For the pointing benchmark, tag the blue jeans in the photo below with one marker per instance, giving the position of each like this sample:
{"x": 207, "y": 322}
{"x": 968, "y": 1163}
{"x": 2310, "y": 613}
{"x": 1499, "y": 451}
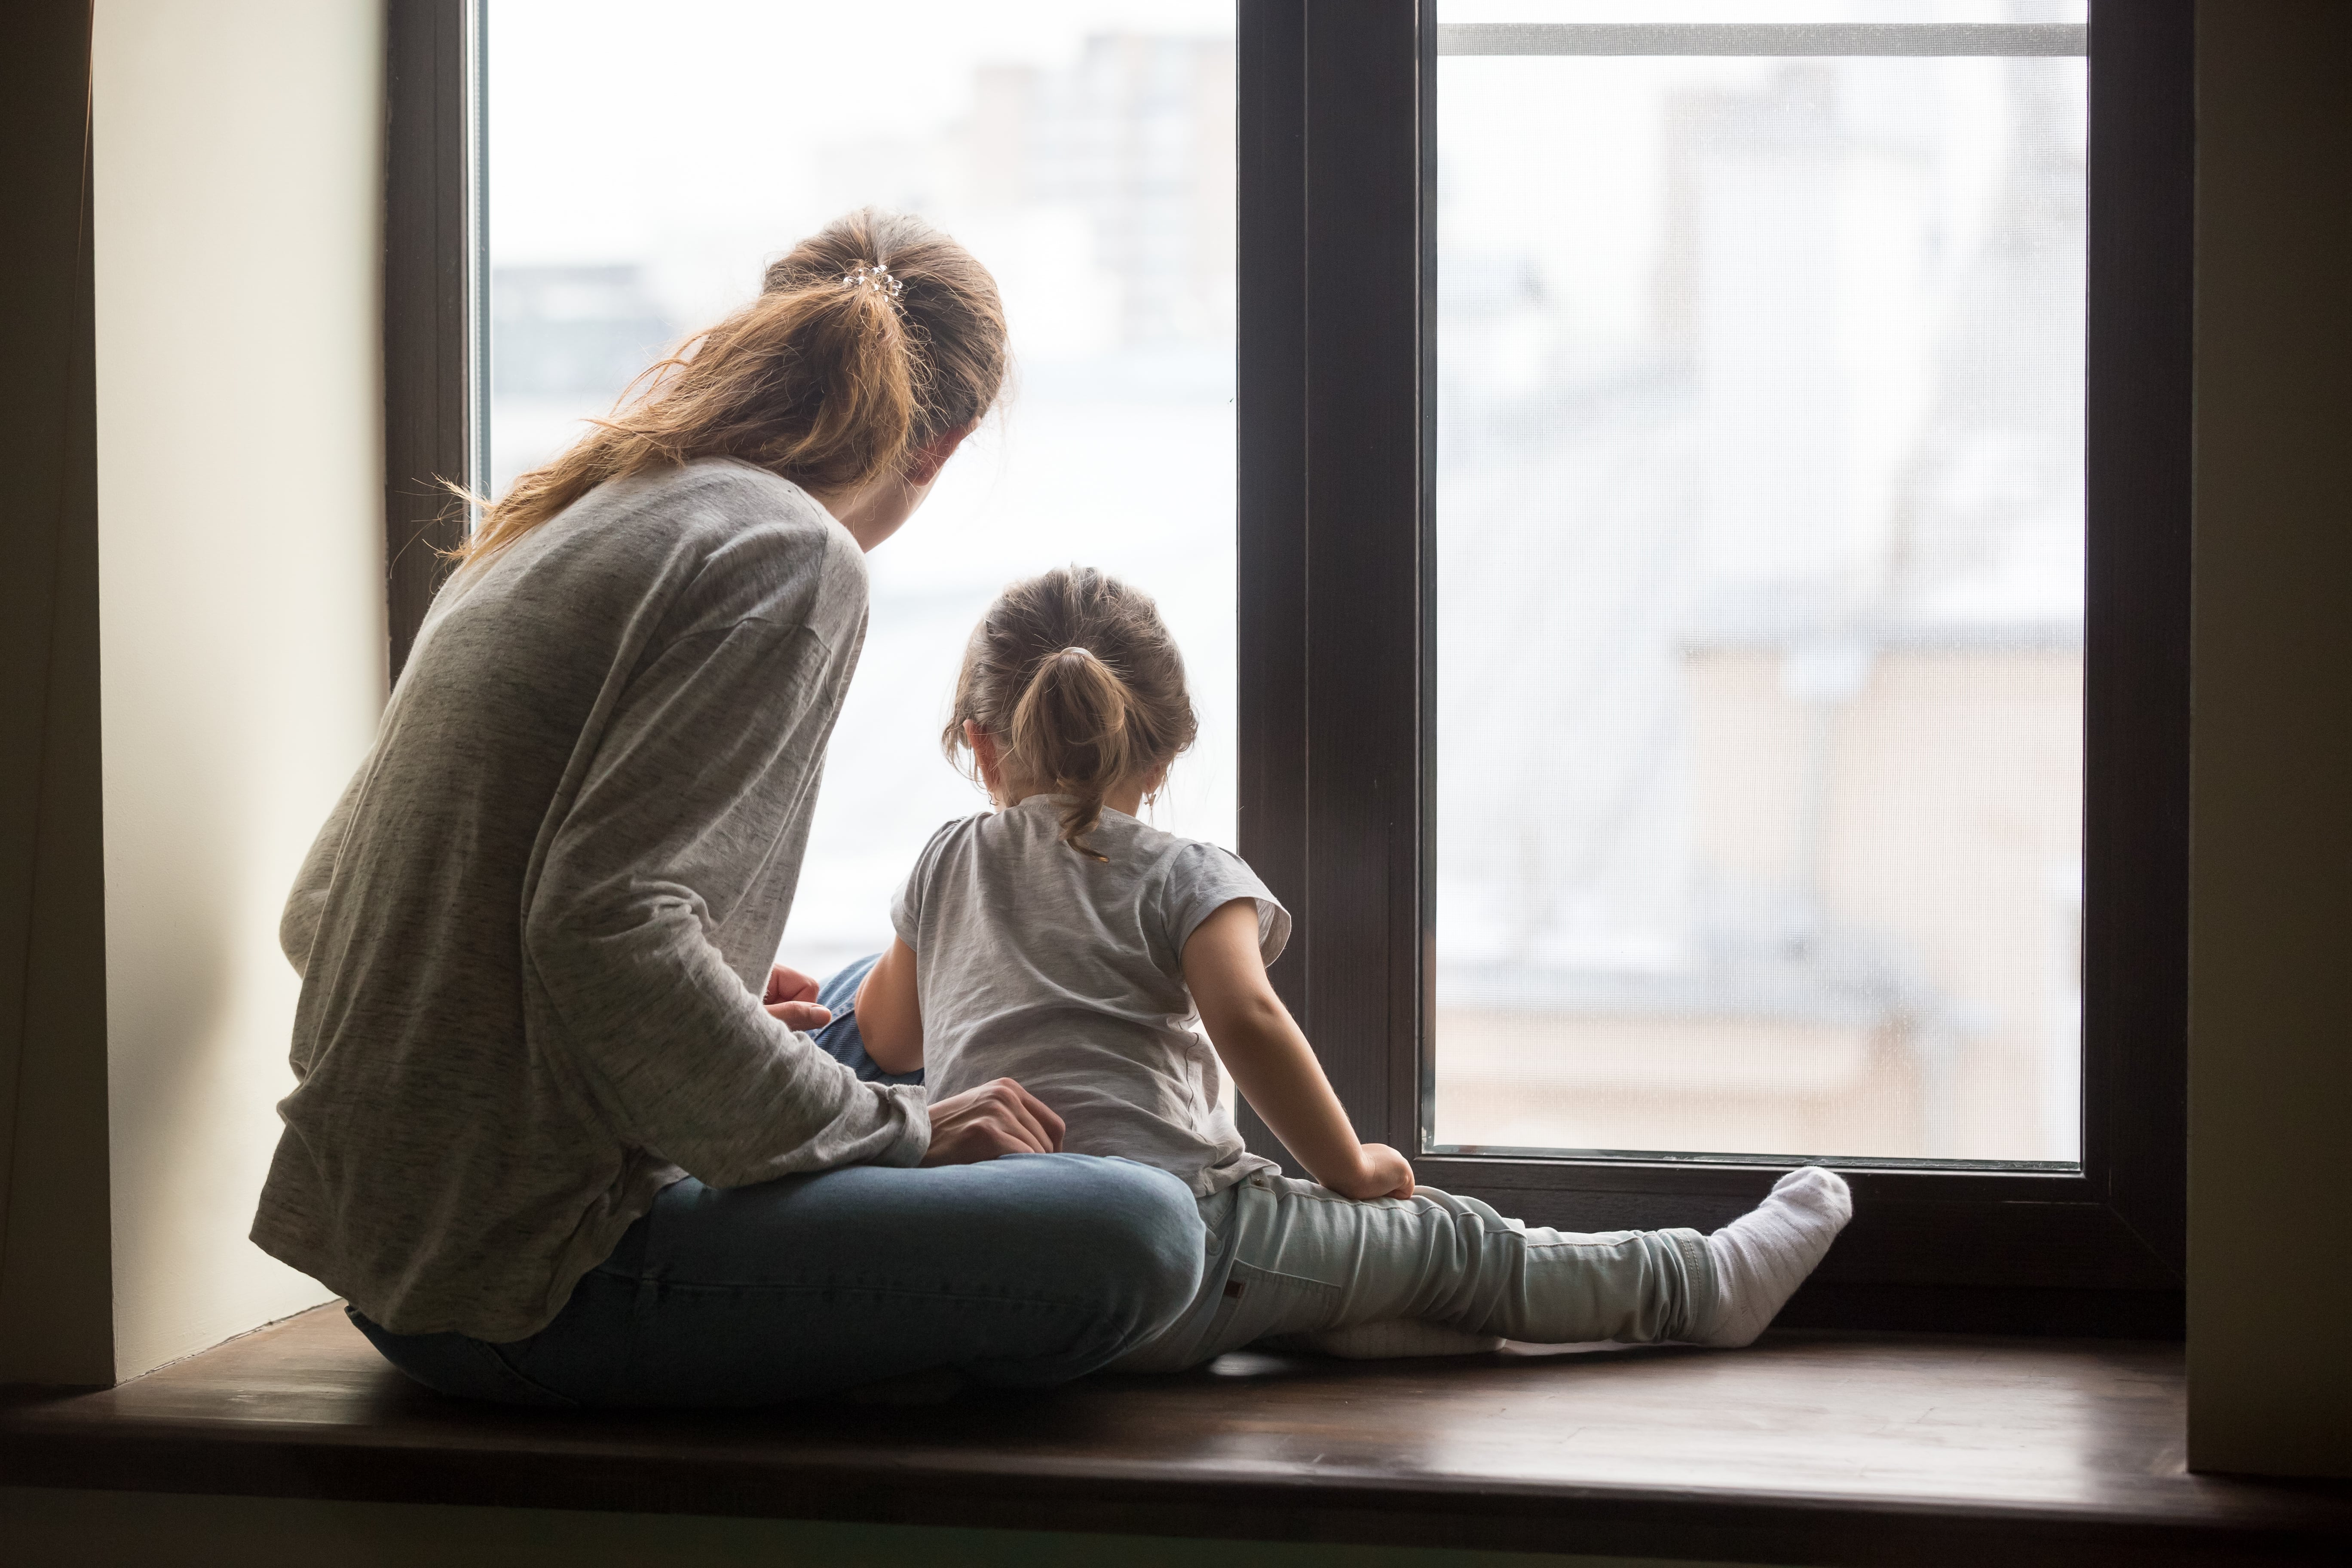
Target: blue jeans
{"x": 1021, "y": 1271}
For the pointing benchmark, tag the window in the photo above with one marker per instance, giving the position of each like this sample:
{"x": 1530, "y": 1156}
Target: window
{"x": 1082, "y": 152}
{"x": 1627, "y": 774}
{"x": 1758, "y": 579}
{"x": 1356, "y": 468}
{"x": 629, "y": 178}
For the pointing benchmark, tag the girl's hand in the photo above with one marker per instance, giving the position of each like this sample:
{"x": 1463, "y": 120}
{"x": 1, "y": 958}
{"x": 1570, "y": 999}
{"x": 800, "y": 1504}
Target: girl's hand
{"x": 1273, "y": 1065}
{"x": 791, "y": 999}
{"x": 1381, "y": 1172}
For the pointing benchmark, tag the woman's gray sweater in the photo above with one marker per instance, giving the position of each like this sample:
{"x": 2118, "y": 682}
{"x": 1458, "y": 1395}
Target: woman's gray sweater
{"x": 534, "y": 935}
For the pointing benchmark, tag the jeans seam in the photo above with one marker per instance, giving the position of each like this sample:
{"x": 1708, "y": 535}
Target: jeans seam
{"x": 1573, "y": 1245}
{"x": 700, "y": 1287}
{"x": 1262, "y": 1272}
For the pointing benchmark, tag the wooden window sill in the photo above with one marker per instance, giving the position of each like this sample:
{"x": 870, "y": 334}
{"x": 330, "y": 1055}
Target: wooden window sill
{"x": 1814, "y": 1447}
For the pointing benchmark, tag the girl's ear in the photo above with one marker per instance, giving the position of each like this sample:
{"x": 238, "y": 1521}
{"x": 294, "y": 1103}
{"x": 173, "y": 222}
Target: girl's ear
{"x": 983, "y": 754}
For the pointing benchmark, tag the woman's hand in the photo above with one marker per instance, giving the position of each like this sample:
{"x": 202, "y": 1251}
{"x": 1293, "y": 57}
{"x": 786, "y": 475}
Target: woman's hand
{"x": 791, "y": 999}
{"x": 1382, "y": 1172}
{"x": 999, "y": 1118}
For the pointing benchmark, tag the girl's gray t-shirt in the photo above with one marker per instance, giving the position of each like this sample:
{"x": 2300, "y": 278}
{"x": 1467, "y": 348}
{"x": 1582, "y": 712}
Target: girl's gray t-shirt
{"x": 1038, "y": 962}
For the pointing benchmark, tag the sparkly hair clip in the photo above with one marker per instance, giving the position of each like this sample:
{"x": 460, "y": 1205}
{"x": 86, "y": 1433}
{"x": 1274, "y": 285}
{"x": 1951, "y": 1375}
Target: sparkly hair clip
{"x": 876, "y": 276}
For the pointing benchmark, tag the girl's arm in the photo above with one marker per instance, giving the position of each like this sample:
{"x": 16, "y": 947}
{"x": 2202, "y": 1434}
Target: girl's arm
{"x": 1271, "y": 1061}
{"x": 889, "y": 1016}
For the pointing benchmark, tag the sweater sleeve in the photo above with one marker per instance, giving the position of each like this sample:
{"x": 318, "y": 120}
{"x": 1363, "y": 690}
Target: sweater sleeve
{"x": 297, "y": 928}
{"x": 711, "y": 760}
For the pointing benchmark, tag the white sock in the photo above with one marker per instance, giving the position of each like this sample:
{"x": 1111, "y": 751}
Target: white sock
{"x": 1763, "y": 1255}
{"x": 1397, "y": 1337}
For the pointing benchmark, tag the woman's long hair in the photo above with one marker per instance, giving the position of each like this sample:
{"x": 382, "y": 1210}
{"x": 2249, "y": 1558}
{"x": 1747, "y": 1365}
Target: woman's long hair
{"x": 868, "y": 340}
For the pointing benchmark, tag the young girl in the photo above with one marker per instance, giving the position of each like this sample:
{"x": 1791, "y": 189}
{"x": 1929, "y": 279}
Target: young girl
{"x": 1060, "y": 941}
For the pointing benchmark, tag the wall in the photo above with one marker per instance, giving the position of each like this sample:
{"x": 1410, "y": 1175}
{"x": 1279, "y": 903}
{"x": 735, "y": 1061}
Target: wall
{"x": 55, "y": 1279}
{"x": 2270, "y": 1288}
{"x": 237, "y": 152}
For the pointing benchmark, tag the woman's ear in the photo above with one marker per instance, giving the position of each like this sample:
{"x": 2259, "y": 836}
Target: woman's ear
{"x": 932, "y": 454}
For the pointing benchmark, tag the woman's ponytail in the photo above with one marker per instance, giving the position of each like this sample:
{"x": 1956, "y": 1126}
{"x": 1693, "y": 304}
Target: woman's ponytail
{"x": 868, "y": 340}
{"x": 1078, "y": 680}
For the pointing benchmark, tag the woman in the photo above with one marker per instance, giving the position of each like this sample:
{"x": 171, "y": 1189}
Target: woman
{"x": 555, "y": 1138}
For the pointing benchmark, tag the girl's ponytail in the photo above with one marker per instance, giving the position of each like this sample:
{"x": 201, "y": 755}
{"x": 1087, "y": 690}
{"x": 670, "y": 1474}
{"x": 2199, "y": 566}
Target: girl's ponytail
{"x": 1070, "y": 735}
{"x": 1075, "y": 677}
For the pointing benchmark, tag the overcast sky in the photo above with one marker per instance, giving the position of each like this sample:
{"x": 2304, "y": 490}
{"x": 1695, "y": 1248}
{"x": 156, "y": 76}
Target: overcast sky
{"x": 643, "y": 126}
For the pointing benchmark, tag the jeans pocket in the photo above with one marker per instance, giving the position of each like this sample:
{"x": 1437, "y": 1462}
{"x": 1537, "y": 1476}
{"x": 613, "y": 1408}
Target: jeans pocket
{"x": 516, "y": 1386}
{"x": 1260, "y": 1304}
{"x": 457, "y": 1365}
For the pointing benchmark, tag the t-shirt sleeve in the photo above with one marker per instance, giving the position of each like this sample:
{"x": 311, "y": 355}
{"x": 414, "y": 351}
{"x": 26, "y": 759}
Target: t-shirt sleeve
{"x": 906, "y": 903}
{"x": 906, "y": 910}
{"x": 1203, "y": 878}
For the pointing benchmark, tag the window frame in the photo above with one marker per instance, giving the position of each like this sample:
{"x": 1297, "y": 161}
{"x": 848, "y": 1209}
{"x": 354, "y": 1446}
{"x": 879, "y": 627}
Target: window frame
{"x": 434, "y": 316}
{"x": 1336, "y": 269}
{"x": 1338, "y": 262}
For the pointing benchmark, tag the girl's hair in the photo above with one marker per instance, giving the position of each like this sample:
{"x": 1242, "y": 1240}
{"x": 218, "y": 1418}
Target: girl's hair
{"x": 867, "y": 340}
{"x": 1075, "y": 677}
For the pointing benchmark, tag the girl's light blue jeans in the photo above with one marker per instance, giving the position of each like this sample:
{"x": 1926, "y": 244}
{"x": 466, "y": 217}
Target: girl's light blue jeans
{"x": 1025, "y": 1271}
{"x": 1288, "y": 1257}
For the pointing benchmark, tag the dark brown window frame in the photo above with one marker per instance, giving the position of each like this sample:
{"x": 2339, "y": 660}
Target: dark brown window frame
{"x": 1337, "y": 269}
{"x": 433, "y": 340}
{"x": 1336, "y": 441}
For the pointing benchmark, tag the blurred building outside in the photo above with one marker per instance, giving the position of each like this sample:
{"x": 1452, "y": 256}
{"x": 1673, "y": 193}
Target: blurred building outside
{"x": 1760, "y": 646}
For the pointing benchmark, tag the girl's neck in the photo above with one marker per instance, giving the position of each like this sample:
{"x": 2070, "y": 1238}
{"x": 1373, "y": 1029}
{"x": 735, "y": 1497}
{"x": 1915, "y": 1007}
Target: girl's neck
{"x": 1125, "y": 797}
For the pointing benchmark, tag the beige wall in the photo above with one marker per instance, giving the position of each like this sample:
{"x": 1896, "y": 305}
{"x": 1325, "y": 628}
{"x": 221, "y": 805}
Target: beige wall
{"x": 2270, "y": 1221}
{"x": 237, "y": 156}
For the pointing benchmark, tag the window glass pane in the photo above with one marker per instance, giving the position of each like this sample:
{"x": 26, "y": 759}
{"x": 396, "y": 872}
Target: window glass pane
{"x": 1760, "y": 556}
{"x": 645, "y": 162}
